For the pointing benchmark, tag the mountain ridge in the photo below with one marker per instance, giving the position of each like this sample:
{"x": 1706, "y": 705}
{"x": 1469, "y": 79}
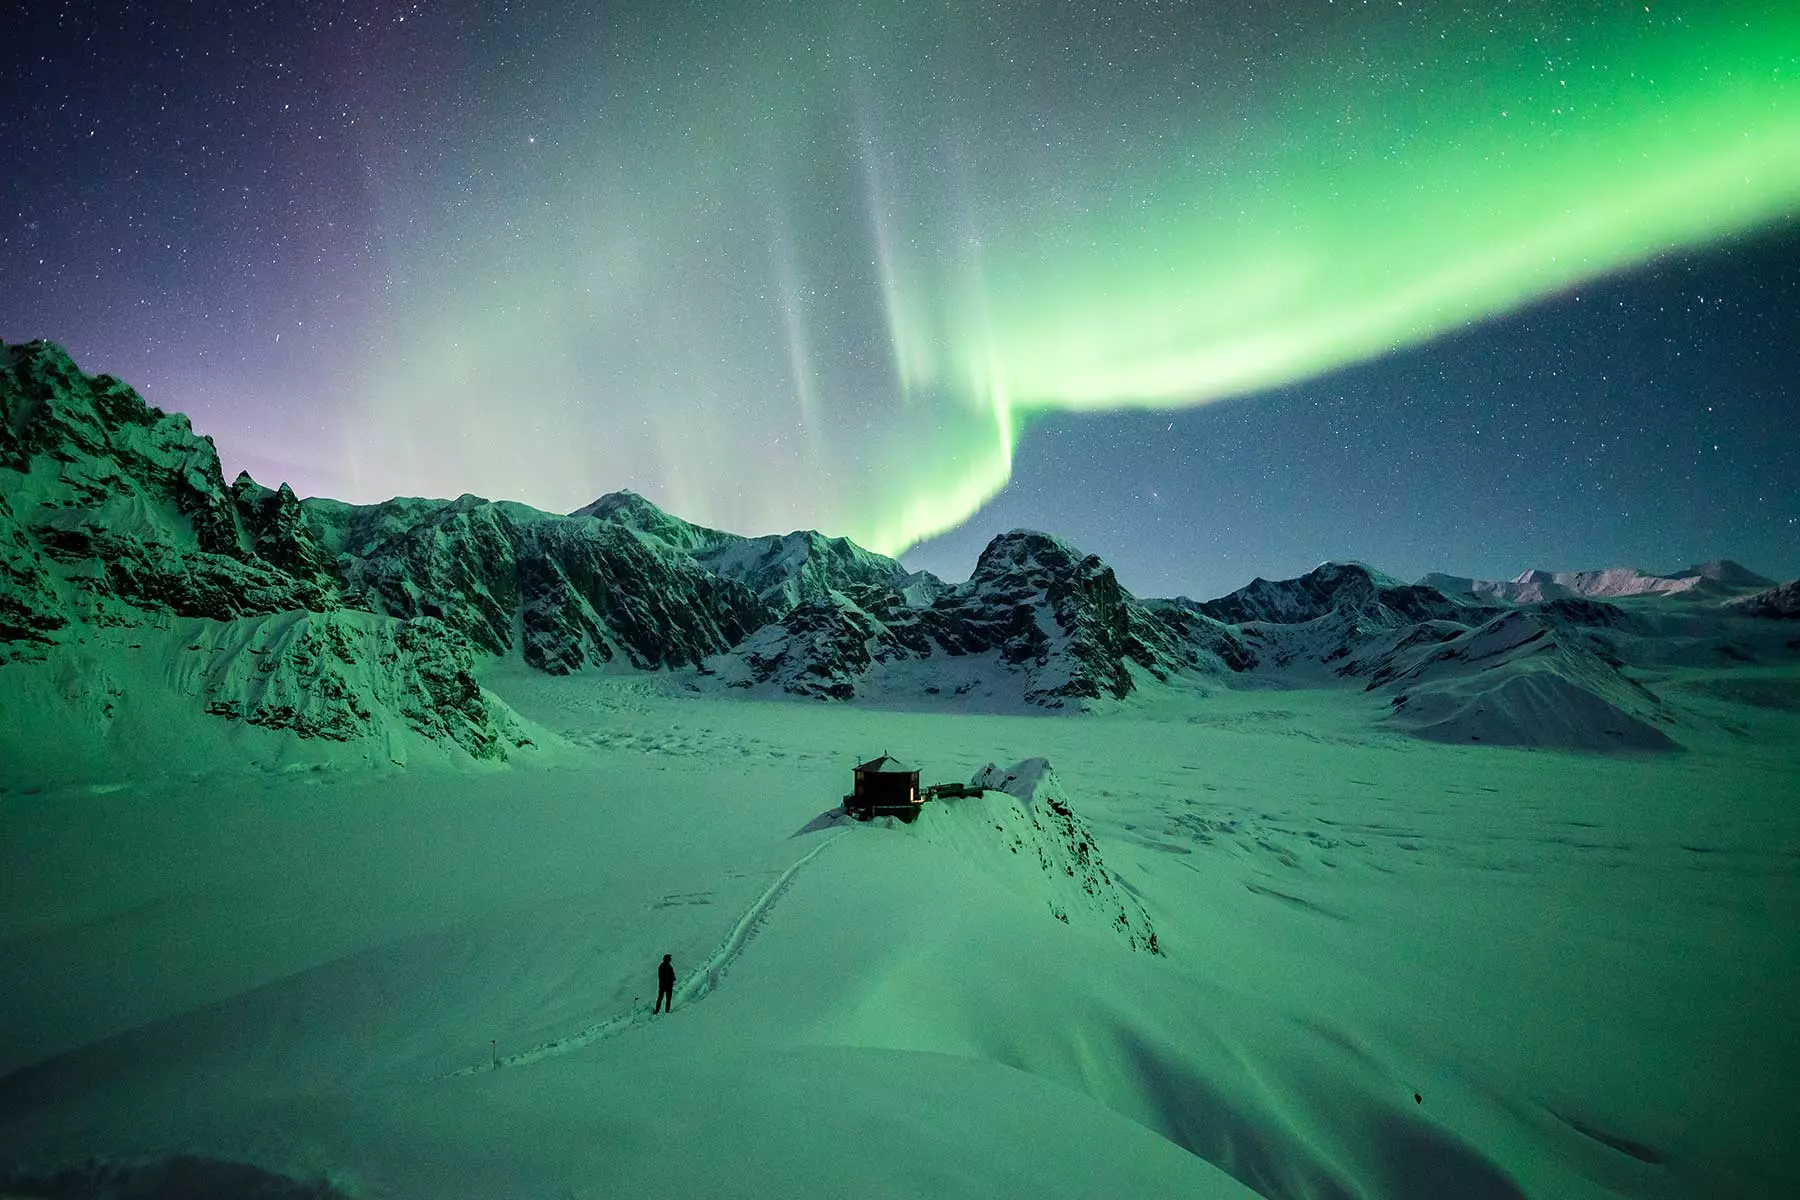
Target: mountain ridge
{"x": 113, "y": 512}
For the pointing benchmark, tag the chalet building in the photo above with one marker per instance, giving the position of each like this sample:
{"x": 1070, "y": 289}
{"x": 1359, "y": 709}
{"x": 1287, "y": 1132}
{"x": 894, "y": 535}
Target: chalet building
{"x": 885, "y": 786}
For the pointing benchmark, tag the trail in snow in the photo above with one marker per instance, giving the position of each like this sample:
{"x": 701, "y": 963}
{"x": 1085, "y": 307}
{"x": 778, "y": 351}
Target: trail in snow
{"x": 695, "y": 985}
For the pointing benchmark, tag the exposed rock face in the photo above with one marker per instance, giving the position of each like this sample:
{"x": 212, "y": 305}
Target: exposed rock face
{"x": 1782, "y": 602}
{"x": 1053, "y": 619}
{"x": 804, "y": 566}
{"x": 30, "y": 608}
{"x": 578, "y": 591}
{"x": 607, "y": 589}
{"x": 370, "y": 616}
{"x": 1058, "y": 616}
{"x": 115, "y": 513}
{"x": 1025, "y": 830}
{"x": 347, "y": 675}
{"x": 1334, "y": 587}
{"x": 824, "y": 647}
{"x": 628, "y": 509}
{"x": 126, "y": 501}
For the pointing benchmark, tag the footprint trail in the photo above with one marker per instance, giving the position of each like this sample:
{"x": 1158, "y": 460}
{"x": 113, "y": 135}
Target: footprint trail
{"x": 695, "y": 985}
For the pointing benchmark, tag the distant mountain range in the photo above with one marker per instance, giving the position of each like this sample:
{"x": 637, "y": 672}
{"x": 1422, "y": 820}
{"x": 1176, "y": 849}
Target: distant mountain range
{"x": 342, "y": 621}
{"x": 1721, "y": 577}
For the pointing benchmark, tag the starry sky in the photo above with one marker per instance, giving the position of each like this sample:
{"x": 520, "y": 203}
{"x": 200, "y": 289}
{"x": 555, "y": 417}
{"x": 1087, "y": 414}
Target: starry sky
{"x": 1211, "y": 289}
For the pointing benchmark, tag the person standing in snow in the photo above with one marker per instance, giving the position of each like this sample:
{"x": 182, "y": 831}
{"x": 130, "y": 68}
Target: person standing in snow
{"x": 665, "y": 987}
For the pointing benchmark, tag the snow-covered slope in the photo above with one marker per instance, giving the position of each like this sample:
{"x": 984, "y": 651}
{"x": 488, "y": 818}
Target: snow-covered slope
{"x": 1708, "y": 580}
{"x": 1389, "y": 968}
{"x": 1724, "y": 571}
{"x": 785, "y": 571}
{"x": 1521, "y": 680}
{"x": 114, "y": 516}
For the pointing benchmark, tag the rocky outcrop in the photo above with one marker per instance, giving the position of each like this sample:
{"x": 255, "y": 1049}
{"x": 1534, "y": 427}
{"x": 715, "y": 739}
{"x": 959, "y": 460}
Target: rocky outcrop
{"x": 30, "y": 605}
{"x": 569, "y": 592}
{"x": 1022, "y": 829}
{"x": 345, "y": 675}
{"x": 790, "y": 570}
{"x": 113, "y": 513}
{"x": 1053, "y": 622}
{"x": 1780, "y": 603}
{"x": 126, "y": 502}
{"x": 593, "y": 590}
{"x": 1059, "y": 617}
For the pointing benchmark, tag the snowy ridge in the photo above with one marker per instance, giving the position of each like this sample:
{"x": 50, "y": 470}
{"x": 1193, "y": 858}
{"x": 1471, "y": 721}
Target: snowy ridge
{"x": 114, "y": 515}
{"x": 1709, "y": 580}
{"x": 1026, "y": 812}
{"x": 1518, "y": 680}
{"x": 1333, "y": 587}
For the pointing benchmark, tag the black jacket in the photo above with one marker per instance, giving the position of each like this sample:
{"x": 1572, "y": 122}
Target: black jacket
{"x": 665, "y": 975}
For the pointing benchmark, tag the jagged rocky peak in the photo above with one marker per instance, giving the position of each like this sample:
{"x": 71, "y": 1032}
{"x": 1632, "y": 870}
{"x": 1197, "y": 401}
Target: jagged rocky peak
{"x": 1063, "y": 617}
{"x": 1027, "y": 551}
{"x": 786, "y": 570}
{"x": 632, "y": 511}
{"x": 1333, "y": 587}
{"x": 89, "y": 442}
{"x": 280, "y": 531}
{"x": 120, "y": 509}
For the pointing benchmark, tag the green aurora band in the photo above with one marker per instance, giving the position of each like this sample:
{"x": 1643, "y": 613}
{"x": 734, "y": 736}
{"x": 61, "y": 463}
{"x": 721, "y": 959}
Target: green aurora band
{"x": 869, "y": 254}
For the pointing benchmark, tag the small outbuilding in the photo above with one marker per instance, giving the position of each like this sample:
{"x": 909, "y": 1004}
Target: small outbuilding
{"x": 885, "y": 786}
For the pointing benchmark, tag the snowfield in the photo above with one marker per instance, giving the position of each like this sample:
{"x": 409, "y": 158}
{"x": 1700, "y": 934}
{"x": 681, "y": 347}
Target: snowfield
{"x": 222, "y": 940}
{"x": 339, "y": 845}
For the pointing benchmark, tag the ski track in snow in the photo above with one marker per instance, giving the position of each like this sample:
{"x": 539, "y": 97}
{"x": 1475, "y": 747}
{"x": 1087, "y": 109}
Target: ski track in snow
{"x": 696, "y": 985}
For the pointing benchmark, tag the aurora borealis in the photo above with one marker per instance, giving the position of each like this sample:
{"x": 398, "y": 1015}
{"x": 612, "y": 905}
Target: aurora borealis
{"x": 829, "y": 265}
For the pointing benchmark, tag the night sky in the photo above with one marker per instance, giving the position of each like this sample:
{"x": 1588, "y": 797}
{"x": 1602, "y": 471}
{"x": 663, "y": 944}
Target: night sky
{"x": 1211, "y": 289}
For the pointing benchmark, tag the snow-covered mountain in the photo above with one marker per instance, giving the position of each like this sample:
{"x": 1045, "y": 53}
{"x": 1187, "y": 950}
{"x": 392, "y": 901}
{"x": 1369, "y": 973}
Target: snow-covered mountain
{"x": 1704, "y": 580}
{"x": 345, "y": 621}
{"x": 1335, "y": 587}
{"x": 1053, "y": 623}
{"x": 114, "y": 515}
{"x": 1522, "y": 678}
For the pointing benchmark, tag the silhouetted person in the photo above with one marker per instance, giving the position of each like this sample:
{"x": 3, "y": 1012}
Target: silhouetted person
{"x": 665, "y": 987}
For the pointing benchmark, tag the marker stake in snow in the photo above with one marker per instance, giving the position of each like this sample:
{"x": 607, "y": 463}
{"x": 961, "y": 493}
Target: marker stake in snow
{"x": 494, "y": 1048}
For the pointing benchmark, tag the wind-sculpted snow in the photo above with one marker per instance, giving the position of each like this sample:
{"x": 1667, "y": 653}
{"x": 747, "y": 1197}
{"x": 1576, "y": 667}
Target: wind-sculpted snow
{"x": 1519, "y": 680}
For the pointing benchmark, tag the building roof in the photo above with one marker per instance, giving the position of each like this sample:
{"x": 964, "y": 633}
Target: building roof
{"x": 887, "y": 764}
